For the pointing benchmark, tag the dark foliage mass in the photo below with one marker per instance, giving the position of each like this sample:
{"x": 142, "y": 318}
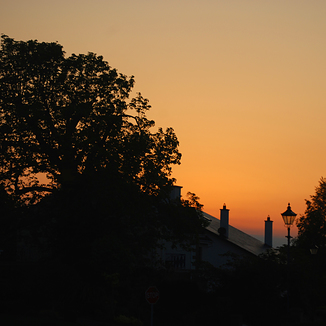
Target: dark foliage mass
{"x": 71, "y": 117}
{"x": 309, "y": 253}
{"x": 74, "y": 143}
{"x": 84, "y": 181}
{"x": 312, "y": 225}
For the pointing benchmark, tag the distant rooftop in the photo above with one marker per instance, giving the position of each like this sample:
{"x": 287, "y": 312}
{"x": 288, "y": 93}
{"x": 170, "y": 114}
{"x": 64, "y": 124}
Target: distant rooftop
{"x": 237, "y": 237}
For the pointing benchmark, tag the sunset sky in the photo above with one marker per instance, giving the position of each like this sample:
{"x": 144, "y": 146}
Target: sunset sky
{"x": 241, "y": 82}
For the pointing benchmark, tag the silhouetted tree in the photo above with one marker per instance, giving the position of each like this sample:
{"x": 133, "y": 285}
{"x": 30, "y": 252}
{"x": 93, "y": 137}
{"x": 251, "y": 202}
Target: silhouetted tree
{"x": 310, "y": 269}
{"x": 70, "y": 119}
{"x": 312, "y": 225}
{"x": 70, "y": 116}
{"x": 91, "y": 179}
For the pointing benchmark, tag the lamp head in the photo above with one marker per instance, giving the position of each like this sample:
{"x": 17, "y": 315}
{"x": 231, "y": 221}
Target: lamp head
{"x": 288, "y": 217}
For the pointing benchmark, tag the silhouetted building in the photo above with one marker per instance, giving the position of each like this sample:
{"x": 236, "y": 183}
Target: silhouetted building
{"x": 217, "y": 241}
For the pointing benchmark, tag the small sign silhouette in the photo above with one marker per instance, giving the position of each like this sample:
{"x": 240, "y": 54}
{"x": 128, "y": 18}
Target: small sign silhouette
{"x": 152, "y": 295}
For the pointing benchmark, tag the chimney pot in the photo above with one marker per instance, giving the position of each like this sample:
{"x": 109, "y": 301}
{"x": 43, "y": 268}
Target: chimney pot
{"x": 224, "y": 220}
{"x": 269, "y": 232}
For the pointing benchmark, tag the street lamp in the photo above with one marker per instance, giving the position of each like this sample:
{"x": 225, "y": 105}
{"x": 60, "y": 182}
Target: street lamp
{"x": 288, "y": 218}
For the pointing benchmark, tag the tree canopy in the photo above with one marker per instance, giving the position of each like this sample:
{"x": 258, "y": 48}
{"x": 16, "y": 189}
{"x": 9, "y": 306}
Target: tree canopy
{"x": 67, "y": 117}
{"x": 312, "y": 225}
{"x": 108, "y": 175}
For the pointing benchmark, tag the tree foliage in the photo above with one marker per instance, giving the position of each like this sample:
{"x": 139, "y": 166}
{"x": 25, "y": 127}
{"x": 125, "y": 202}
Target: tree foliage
{"x": 108, "y": 176}
{"x": 312, "y": 225}
{"x": 104, "y": 206}
{"x": 67, "y": 117}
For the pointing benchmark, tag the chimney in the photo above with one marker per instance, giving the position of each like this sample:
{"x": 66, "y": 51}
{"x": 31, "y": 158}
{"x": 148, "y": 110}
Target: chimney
{"x": 224, "y": 222}
{"x": 269, "y": 232}
{"x": 175, "y": 193}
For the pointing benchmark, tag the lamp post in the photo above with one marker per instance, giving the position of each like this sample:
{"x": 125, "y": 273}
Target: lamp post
{"x": 288, "y": 218}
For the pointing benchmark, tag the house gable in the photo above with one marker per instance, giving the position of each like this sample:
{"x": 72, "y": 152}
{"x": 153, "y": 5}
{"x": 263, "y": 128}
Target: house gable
{"x": 217, "y": 245}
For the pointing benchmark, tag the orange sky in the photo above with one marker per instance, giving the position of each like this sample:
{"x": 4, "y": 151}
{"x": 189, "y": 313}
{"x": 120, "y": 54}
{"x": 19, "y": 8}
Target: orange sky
{"x": 241, "y": 82}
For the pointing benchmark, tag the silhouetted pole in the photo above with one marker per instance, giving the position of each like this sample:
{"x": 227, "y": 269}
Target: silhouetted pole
{"x": 289, "y": 244}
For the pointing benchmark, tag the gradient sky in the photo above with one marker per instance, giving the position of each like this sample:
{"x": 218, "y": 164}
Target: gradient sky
{"x": 241, "y": 82}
